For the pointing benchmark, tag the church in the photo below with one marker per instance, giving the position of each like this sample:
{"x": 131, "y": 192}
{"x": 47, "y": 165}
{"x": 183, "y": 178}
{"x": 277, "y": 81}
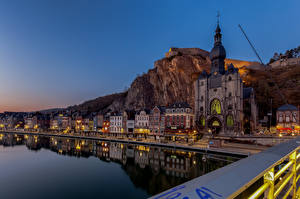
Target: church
{"x": 219, "y": 95}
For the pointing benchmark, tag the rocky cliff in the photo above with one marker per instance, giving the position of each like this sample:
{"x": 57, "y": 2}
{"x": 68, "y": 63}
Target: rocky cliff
{"x": 171, "y": 80}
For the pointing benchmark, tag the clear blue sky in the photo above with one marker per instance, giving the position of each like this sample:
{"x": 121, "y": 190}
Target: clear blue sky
{"x": 55, "y": 53}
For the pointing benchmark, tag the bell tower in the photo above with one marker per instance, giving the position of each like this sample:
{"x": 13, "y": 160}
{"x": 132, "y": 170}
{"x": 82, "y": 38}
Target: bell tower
{"x": 217, "y": 54}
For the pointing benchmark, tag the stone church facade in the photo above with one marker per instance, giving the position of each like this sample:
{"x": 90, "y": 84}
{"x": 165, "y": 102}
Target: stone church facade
{"x": 219, "y": 95}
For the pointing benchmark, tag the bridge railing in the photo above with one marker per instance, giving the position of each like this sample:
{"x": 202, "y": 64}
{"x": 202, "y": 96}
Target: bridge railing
{"x": 273, "y": 173}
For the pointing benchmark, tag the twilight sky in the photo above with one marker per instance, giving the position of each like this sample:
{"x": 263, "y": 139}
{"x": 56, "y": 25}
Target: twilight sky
{"x": 55, "y": 53}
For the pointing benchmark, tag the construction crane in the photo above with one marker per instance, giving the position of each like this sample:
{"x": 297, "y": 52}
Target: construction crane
{"x": 257, "y": 55}
{"x": 251, "y": 45}
{"x": 281, "y": 95}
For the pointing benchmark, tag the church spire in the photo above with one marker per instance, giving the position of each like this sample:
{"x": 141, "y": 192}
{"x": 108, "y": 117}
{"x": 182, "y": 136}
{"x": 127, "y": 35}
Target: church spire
{"x": 218, "y": 35}
{"x": 218, "y": 53}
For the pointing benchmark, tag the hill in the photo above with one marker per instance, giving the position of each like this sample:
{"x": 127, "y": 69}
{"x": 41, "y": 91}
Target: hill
{"x": 169, "y": 81}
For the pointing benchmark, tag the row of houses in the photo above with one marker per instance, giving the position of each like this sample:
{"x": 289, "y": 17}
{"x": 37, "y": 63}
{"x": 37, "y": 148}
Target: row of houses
{"x": 175, "y": 118}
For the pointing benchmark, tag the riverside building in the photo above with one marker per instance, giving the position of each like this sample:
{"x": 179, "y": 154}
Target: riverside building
{"x": 179, "y": 118}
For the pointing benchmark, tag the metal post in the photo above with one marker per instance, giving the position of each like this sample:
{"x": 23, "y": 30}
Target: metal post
{"x": 269, "y": 178}
{"x": 293, "y": 157}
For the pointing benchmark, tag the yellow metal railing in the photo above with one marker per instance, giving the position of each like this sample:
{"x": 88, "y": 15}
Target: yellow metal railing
{"x": 281, "y": 176}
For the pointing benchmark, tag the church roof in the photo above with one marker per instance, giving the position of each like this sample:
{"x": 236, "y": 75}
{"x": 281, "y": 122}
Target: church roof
{"x": 231, "y": 69}
{"x": 179, "y": 105}
{"x": 218, "y": 51}
{"x": 287, "y": 107}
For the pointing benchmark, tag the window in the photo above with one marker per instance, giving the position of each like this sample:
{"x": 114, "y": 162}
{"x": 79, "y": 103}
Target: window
{"x": 202, "y": 121}
{"x": 294, "y": 117}
{"x": 201, "y": 108}
{"x": 202, "y": 83}
{"x": 201, "y": 98}
{"x": 287, "y": 118}
{"x": 216, "y": 123}
{"x": 230, "y": 107}
{"x": 229, "y": 121}
{"x": 280, "y": 118}
{"x": 229, "y": 95}
{"x": 215, "y": 107}
{"x": 229, "y": 78}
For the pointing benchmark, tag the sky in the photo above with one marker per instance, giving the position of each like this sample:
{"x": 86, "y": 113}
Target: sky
{"x": 56, "y": 53}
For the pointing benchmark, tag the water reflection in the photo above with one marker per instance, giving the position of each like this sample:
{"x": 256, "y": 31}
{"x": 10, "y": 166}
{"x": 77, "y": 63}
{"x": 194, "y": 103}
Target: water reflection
{"x": 153, "y": 169}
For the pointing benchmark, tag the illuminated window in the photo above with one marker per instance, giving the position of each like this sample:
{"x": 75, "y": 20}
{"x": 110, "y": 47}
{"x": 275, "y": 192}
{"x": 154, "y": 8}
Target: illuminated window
{"x": 215, "y": 107}
{"x": 216, "y": 123}
{"x": 229, "y": 121}
{"x": 202, "y": 121}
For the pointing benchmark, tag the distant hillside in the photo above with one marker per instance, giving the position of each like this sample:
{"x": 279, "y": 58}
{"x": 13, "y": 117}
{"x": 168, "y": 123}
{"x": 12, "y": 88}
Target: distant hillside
{"x": 288, "y": 82}
{"x": 101, "y": 104}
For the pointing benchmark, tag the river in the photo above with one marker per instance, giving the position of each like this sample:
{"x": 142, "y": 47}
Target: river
{"x": 45, "y": 167}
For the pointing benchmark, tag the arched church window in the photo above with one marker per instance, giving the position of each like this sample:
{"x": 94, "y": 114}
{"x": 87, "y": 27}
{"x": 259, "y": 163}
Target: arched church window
{"x": 229, "y": 94}
{"x": 202, "y": 121}
{"x": 201, "y": 108}
{"x": 216, "y": 123}
{"x": 215, "y": 107}
{"x": 229, "y": 78}
{"x": 229, "y": 121}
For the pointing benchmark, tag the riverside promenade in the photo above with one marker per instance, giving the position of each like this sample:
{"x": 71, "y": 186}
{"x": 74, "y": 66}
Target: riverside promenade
{"x": 228, "y": 148}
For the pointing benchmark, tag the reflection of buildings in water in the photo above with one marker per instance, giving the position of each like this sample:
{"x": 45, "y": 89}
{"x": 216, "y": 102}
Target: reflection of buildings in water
{"x": 141, "y": 156}
{"x": 102, "y": 150}
{"x": 10, "y": 139}
{"x": 161, "y": 161}
{"x": 116, "y": 151}
{"x": 156, "y": 159}
{"x": 130, "y": 151}
{"x": 179, "y": 163}
{"x": 33, "y": 142}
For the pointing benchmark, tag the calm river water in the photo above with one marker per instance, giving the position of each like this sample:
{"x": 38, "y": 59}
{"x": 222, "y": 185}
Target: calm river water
{"x": 41, "y": 167}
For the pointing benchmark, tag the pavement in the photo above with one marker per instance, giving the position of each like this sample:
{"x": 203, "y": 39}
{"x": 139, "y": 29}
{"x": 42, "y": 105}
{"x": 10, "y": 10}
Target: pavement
{"x": 227, "y": 147}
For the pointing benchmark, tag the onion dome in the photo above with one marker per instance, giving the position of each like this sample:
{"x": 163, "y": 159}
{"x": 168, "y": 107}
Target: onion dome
{"x": 218, "y": 51}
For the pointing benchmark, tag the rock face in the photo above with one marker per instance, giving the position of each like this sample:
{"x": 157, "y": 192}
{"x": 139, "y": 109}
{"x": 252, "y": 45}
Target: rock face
{"x": 171, "y": 80}
{"x": 281, "y": 84}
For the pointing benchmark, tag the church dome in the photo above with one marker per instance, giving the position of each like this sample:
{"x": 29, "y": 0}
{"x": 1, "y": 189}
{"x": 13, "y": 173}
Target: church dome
{"x": 218, "y": 51}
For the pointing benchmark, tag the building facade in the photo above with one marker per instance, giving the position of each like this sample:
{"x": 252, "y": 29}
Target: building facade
{"x": 157, "y": 120}
{"x": 116, "y": 123}
{"x": 219, "y": 95}
{"x": 179, "y": 118}
{"x": 287, "y": 117}
{"x": 142, "y": 121}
